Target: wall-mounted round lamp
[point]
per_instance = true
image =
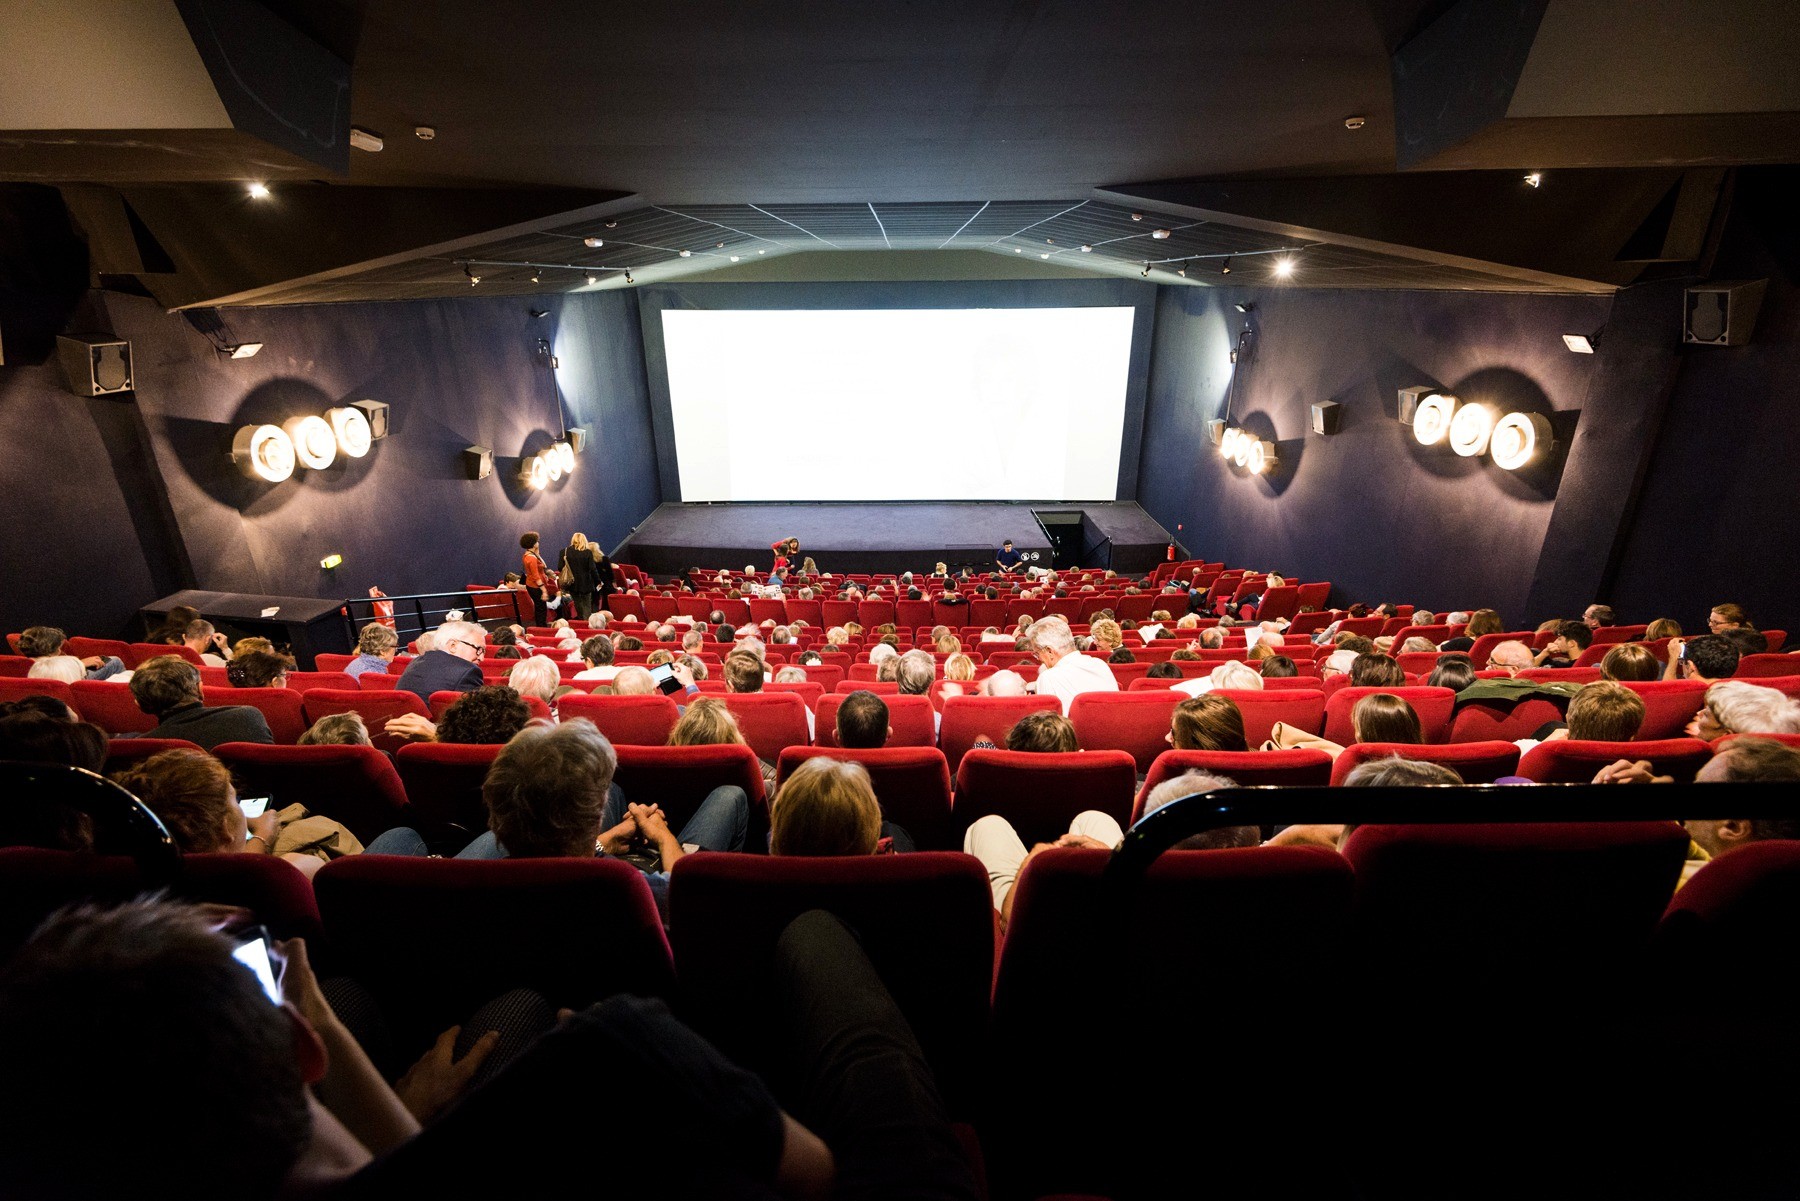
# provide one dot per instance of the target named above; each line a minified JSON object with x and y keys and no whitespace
{"x":1240,"y":449}
{"x":564,"y":454}
{"x":1519,"y":438}
{"x":534,"y":473}
{"x":263,"y":452}
{"x":1431,"y":420}
{"x":1471,"y":428}
{"x":1261,"y":456}
{"x":314,"y":443}
{"x":351,"y":430}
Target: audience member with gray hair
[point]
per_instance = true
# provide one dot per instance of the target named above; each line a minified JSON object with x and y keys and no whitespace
{"x":1511,"y":656}
{"x":453,"y":665}
{"x":1191,"y":784}
{"x":1066,"y":673}
{"x":536,"y":676}
{"x":1743,"y":707}
{"x":376,"y":646}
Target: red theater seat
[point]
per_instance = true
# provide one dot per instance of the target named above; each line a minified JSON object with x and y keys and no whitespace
{"x":109,"y":706}
{"x":377,"y":709}
{"x":143,"y":652}
{"x":1041,"y":793}
{"x":1569,"y":761}
{"x":911,"y":782}
{"x":1134,"y":722}
{"x":637,"y":720}
{"x":967,"y":718}
{"x":1433,"y":705}
{"x":443,"y":785}
{"x":1668,"y":706}
{"x":1301,"y":709}
{"x":1504,"y":721}
{"x":122,"y":753}
{"x":1755,"y":667}
{"x":679,"y":778}
{"x":281,"y":707}
{"x":440,"y":701}
{"x":1475,"y":762}
{"x":1251,"y":769}
{"x":300,"y":681}
{"x":912,"y":719}
{"x":356,"y":785}
{"x":769,"y":721}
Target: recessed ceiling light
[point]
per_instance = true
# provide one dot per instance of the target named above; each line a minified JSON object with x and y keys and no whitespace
{"x":1049,"y":241}
{"x":365,"y":139}
{"x":1161,"y":235}
{"x":718,"y":245}
{"x":628,"y":278}
{"x":687,"y":254}
{"x":1137,"y":216}
{"x":1535,"y":179}
{"x":1226,"y":268}
{"x":593,"y":242}
{"x":1182,"y":271}
{"x":1087,"y":250}
{"x":259,"y":191}
{"x":592,"y":279}
{"x":1017,"y":250}
{"x":1044,"y":254}
{"x":1355,"y":122}
{"x":762,"y":252}
{"x":534,"y":277}
{"x":1284,"y":268}
{"x":612,"y":225}
{"x":424,"y":132}
{"x":734,"y":258}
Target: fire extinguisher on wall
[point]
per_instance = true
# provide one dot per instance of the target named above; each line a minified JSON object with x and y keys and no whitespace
{"x":1171,"y":554}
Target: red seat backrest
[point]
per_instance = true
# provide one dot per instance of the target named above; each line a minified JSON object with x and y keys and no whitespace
{"x":1041,"y":793}
{"x":925,"y":921}
{"x":769,"y":721}
{"x":375,"y":681}
{"x":433,"y":939}
{"x":281,"y":707}
{"x":679,"y":778}
{"x":123,"y":752}
{"x":1134,"y":722}
{"x":633,"y":720}
{"x":376,"y":706}
{"x":1475,"y":762}
{"x":1484,"y":645}
{"x":872,"y":613}
{"x":109,"y":706}
{"x":1570,"y":761}
{"x":826,"y":675}
{"x":912,"y":783}
{"x":1756,"y":667}
{"x":356,"y":785}
{"x":143,"y":652}
{"x":1301,"y":708}
{"x":1433,"y":705}
{"x":1248,"y":768}
{"x":300,"y":681}
{"x":1605,"y":635}
{"x":912,"y":719}
{"x":441,"y":701}
{"x":1668,"y":706}
{"x":443,"y":784}
{"x":966,"y":718}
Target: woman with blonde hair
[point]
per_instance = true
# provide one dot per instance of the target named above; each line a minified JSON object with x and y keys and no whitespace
{"x":1107,"y":634}
{"x":581,"y":563}
{"x":707,"y":722}
{"x":826,"y":807}
{"x":1228,"y":675}
{"x":947,"y":644}
{"x":959,"y":667}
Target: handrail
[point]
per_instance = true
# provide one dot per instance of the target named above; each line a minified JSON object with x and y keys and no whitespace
{"x":412,"y":617}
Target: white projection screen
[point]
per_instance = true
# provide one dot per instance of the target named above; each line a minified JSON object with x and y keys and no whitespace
{"x":898,"y":404}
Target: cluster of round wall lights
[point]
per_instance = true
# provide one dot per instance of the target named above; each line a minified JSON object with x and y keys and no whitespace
{"x":1244,"y":449}
{"x":272,"y":452}
{"x":548,"y":466}
{"x":1475,"y":429}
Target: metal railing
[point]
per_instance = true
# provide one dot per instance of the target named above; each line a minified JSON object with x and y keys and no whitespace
{"x":422,"y":611}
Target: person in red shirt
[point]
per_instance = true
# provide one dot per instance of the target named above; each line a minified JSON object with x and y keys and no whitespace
{"x":784,"y":550}
{"x":536,"y":577}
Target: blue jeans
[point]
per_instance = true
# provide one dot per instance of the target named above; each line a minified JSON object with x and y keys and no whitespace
{"x":110,"y":666}
{"x":720,"y":824}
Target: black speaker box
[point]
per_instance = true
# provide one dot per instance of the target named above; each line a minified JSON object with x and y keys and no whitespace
{"x":478,"y":461}
{"x":1721,"y":313}
{"x":95,"y":364}
{"x":1409,"y":401}
{"x":1326,"y":417}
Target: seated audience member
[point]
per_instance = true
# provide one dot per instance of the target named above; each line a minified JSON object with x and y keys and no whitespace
{"x":959,"y":668}
{"x":1004,"y":683}
{"x":1107,"y":635}
{"x":1356,"y":644}
{"x":1743,"y":707}
{"x":213,"y":647}
{"x":1277,"y":667}
{"x":1121,"y":655}
{"x":888,"y":672}
{"x":1376,"y":671}
{"x":1229,"y":675}
{"x":810,"y":659}
{"x":915,"y":673}
{"x":1708,"y":657}
{"x":1453,"y":671}
{"x":1597,"y":616}
{"x":1337,"y":663}
{"x":1572,"y":637}
{"x":1395,"y":771}
{"x":1417,"y":646}
{"x":790,"y":674}
{"x":1207,"y":723}
{"x":744,"y":672}
{"x":259,"y":669}
{"x":693,"y":641}
{"x":1212,"y":639}
{"x":244,"y":646}
{"x":487,"y":716}
{"x":1727,"y":617}
{"x":887,"y":648}
{"x":946,"y":644}
{"x":336,"y":729}
{"x":993,"y":840}
{"x":42,"y":642}
{"x":173,"y":630}
{"x":1480,"y":622}
{"x":1662,"y":627}
{"x":168,"y":689}
{"x":502,"y":643}
{"x":1630,"y":661}
{"x":536,"y":676}
{"x":660,"y":656}
{"x":1511,"y":656}
{"x":66,"y":668}
{"x":1042,"y":732}
{"x":1378,"y":717}
{"x":375,"y":650}
{"x":41,"y":729}
{"x":1601,"y":712}
{"x":452,"y":665}
{"x":1065,"y":672}
{"x":597,"y":653}
{"x":1168,"y":671}
{"x":637,"y":681}
{"x":862,"y":721}
{"x":1194,"y":783}
{"x":828,"y":807}
{"x":706,"y":721}
{"x":191,"y":792}
{"x":1740,"y":761}
{"x":1747,"y":641}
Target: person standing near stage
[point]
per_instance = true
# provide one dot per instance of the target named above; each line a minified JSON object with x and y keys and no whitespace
{"x":536,"y":577}
{"x":784,"y":550}
{"x":582,"y":561}
{"x":1008,"y":559}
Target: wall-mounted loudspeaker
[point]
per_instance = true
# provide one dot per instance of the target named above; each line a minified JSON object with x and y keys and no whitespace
{"x":1326,"y":416}
{"x":578,"y":438}
{"x":1215,"y":429}
{"x":1721,"y":313}
{"x":478,"y":461}
{"x":1409,"y":401}
{"x":95,"y":364}
{"x":377,"y":413}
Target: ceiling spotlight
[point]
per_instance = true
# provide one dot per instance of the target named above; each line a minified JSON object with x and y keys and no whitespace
{"x":1043,"y":254}
{"x":263,"y":452}
{"x":534,"y":275}
{"x":1137,"y":216}
{"x":592,"y":242}
{"x":314,"y":443}
{"x":734,"y":258}
{"x":687,"y":254}
{"x":534,"y":473}
{"x":331,"y":561}
{"x":1535,"y":179}
{"x":762,"y":252}
{"x":1087,"y":250}
{"x":1049,"y":241}
{"x":470,"y":272}
{"x":365,"y":139}
{"x":1284,"y":268}
{"x":424,"y":132}
{"x":351,"y":430}
{"x":1355,"y":122}
{"x":552,"y":462}
{"x":1261,"y":457}
{"x":1518,"y":438}
{"x":593,"y":279}
{"x":240,"y":350}
{"x":718,"y":245}
{"x":1018,"y":250}
{"x":1240,"y":450}
{"x":1582,"y":343}
{"x":1470,"y":429}
{"x":612,"y":225}
{"x":1431,"y":420}
{"x":259,"y":191}
{"x":1225,"y":267}
{"x":1182,"y":271}
{"x":1146,"y":271}
{"x":628,"y":278}
{"x":1161,"y":235}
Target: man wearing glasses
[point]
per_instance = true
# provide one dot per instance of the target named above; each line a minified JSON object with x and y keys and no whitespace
{"x":453,"y":667}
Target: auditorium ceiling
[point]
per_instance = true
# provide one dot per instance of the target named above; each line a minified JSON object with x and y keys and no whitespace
{"x":1375,"y":143}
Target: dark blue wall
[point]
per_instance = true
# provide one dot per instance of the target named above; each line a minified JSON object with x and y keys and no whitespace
{"x":1367,"y":508}
{"x":82,"y":491}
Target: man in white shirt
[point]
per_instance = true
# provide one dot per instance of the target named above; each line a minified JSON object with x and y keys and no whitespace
{"x":1066,"y":672}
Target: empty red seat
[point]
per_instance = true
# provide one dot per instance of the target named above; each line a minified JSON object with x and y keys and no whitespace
{"x":679,"y":778}
{"x":808,"y":692}
{"x":966,"y":718}
{"x":109,"y":706}
{"x":912,"y":783}
{"x":443,"y":785}
{"x":377,"y":709}
{"x":769,"y":721}
{"x":434,"y":939}
{"x":1607,"y":635}
{"x":1433,"y":705}
{"x":872,"y":613}
{"x":300,"y":681}
{"x":1569,"y":761}
{"x":121,"y":753}
{"x":1299,"y":708}
{"x":912,"y":719}
{"x":1753,"y":667}
{"x":638,"y":720}
{"x":356,"y":785}
{"x":375,"y":681}
{"x":12,"y":689}
{"x":143,"y":652}
{"x":768,"y":610}
{"x":1475,"y":762}
{"x":106,"y":648}
{"x":1668,"y":706}
{"x":1041,"y":793}
{"x":281,"y":707}
{"x":925,"y":920}
{"x":1250,"y":769}
{"x":16,"y":667}
{"x":1134,"y":722}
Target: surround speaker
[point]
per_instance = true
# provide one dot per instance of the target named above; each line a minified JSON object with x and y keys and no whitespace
{"x":95,"y":364}
{"x":578,"y":438}
{"x":377,"y":413}
{"x":1327,"y":415}
{"x":478,"y":461}
{"x":1721,"y":313}
{"x":1215,"y":429}
{"x":1409,"y":401}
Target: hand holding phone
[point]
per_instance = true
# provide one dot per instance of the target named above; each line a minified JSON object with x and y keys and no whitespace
{"x":664,"y":675}
{"x":253,"y":952}
{"x":253,"y":806}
